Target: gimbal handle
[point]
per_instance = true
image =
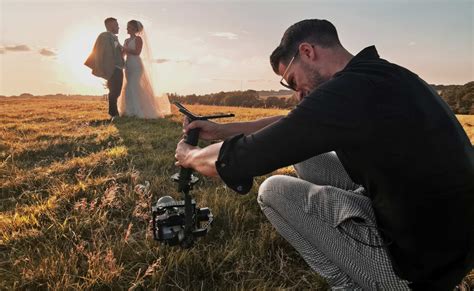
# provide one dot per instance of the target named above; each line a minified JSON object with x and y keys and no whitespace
{"x":192,"y":138}
{"x":184,"y":185}
{"x":193,"y":117}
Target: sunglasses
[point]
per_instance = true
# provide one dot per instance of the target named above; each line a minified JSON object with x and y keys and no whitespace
{"x":283,"y":82}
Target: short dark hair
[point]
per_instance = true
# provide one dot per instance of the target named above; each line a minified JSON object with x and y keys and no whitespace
{"x":315,"y":31}
{"x":108,"y":20}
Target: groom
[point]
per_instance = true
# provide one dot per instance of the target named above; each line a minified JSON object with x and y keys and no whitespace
{"x":106,"y":61}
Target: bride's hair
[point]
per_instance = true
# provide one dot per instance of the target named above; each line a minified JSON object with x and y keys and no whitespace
{"x":137,"y":24}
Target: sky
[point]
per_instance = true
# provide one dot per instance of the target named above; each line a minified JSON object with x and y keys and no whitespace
{"x":210,"y":46}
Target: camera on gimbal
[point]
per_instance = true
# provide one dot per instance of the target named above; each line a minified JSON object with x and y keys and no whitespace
{"x":169,"y":220}
{"x":180,"y":222}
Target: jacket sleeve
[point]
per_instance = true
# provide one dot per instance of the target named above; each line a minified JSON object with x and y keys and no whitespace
{"x":324,"y":121}
{"x":99,"y":59}
{"x":90,"y":61}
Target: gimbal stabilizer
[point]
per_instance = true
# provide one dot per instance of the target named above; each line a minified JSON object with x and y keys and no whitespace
{"x":180,"y":222}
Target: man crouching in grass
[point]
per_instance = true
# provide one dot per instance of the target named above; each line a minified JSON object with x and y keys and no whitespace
{"x":384,"y":197}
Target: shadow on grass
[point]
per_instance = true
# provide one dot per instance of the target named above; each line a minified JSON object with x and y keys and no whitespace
{"x":150,"y":143}
{"x":99,"y":122}
{"x":61,"y":149}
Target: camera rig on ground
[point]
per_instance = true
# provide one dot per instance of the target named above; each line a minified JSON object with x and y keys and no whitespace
{"x":181,"y":222}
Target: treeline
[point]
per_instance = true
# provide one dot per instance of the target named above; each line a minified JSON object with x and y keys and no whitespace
{"x":249,"y":98}
{"x":459,"y":97}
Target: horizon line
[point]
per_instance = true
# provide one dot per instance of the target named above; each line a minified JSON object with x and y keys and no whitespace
{"x":274,"y":90}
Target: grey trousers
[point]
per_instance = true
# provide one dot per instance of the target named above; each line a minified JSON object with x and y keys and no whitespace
{"x":319,"y":214}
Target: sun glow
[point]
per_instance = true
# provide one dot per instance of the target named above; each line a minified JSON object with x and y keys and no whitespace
{"x":75,"y":47}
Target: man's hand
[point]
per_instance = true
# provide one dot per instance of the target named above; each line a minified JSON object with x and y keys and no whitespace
{"x":183,"y":154}
{"x":202,"y":160}
{"x":208,"y":130}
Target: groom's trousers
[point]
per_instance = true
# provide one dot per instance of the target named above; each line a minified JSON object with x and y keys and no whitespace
{"x":320,"y":214}
{"x":115,"y":87}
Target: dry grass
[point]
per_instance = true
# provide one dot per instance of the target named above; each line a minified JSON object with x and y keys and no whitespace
{"x":73,"y":215}
{"x":467,"y":122}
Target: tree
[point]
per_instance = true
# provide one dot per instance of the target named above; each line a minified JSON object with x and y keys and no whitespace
{"x":275,"y":102}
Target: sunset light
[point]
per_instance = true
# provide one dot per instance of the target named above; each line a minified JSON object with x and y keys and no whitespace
{"x":237,"y":145}
{"x":76,"y":44}
{"x":205,"y":46}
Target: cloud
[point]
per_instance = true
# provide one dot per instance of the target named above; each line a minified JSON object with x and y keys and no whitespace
{"x":198,"y":40}
{"x":259,"y":80}
{"x":184,"y":61}
{"x":178,"y":61}
{"x":226,"y":80}
{"x":18,"y":48}
{"x":411,"y":43}
{"x":227,"y":35}
{"x":214,"y":60}
{"x":161,"y":61}
{"x":47,"y":52}
{"x":25,"y":48}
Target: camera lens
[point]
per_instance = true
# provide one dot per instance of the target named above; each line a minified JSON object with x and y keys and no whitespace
{"x":164,"y":200}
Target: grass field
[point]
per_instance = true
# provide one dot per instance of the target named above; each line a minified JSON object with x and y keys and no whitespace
{"x":73,"y":214}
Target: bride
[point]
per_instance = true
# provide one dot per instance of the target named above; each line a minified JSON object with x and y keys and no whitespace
{"x":137,"y":97}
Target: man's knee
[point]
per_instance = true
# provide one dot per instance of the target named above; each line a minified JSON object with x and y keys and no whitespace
{"x":316,"y":163}
{"x":270,"y":187}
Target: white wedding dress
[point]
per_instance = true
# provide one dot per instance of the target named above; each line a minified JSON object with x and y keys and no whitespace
{"x":137,"y":97}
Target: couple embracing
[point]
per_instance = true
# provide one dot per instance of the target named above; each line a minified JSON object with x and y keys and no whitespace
{"x":132,"y":95}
